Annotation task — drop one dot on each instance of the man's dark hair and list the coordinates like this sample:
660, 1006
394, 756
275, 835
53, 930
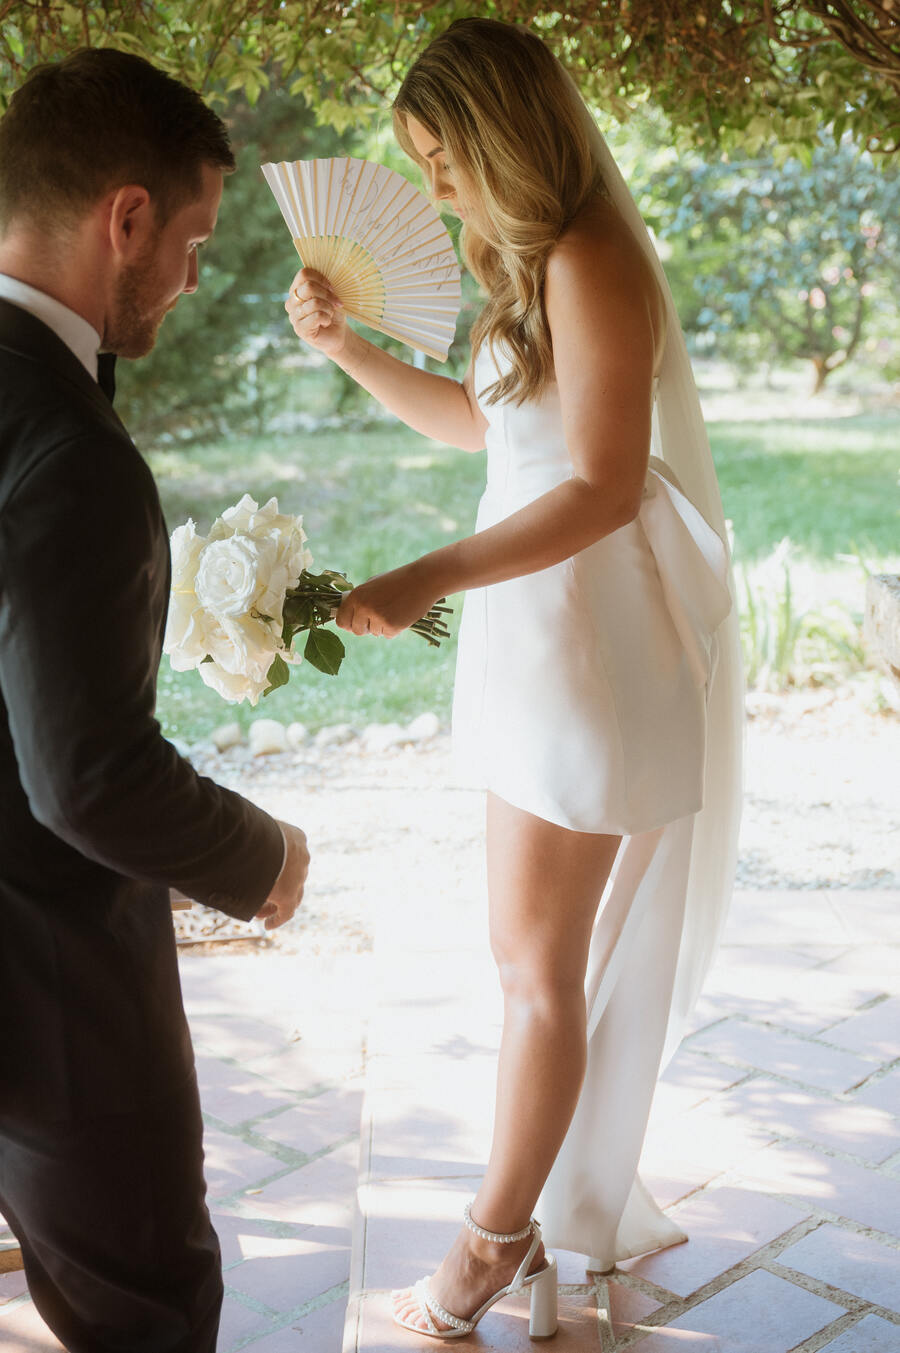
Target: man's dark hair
96, 121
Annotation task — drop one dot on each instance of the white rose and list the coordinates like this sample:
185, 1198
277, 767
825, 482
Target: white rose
232, 573
282, 539
232, 686
242, 650
187, 634
184, 640
237, 518
226, 609
186, 547
265, 522
291, 558
243, 644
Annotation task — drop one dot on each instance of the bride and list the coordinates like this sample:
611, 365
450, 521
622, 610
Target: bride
598, 684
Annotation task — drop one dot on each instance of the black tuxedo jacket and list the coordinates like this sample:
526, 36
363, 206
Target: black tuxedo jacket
99, 815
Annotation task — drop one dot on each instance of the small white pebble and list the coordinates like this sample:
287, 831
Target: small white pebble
335, 735
378, 737
267, 736
424, 727
297, 735
227, 735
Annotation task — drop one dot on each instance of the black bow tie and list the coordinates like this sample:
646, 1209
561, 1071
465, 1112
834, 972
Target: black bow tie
106, 374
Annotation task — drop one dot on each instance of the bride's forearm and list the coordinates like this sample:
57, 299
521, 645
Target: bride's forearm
436, 406
555, 526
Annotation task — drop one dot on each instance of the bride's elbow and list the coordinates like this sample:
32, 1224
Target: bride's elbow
628, 510
624, 496
612, 508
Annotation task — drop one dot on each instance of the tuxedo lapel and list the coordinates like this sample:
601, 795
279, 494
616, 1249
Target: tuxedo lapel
106, 374
28, 337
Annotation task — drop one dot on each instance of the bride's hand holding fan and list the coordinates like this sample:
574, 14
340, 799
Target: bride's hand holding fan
316, 313
367, 237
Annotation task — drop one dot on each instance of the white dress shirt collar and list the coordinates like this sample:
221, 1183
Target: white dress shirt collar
79, 336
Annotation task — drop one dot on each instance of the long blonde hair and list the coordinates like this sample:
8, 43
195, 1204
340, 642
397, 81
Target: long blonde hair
512, 124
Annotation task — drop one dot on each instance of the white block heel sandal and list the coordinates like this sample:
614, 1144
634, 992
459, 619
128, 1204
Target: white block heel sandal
541, 1287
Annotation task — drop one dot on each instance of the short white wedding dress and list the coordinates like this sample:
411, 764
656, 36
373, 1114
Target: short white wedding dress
593, 694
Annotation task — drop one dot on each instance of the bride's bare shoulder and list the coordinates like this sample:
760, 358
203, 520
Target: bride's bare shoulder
598, 239
597, 252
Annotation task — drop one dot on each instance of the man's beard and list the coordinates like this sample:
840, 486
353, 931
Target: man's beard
135, 320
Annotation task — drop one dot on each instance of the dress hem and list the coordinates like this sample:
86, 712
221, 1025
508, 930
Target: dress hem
636, 828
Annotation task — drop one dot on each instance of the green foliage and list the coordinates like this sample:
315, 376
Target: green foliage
309, 605
227, 359
822, 270
828, 484
312, 603
279, 674
325, 651
785, 643
217, 367
811, 500
736, 73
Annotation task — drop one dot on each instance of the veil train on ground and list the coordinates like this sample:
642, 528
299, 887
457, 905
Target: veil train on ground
666, 902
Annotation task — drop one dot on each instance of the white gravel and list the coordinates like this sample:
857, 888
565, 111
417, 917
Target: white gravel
822, 810
822, 805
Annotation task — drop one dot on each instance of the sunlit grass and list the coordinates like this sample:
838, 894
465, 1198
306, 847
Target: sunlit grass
830, 486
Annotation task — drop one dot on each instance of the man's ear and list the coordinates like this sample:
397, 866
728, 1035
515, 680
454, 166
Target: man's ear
131, 221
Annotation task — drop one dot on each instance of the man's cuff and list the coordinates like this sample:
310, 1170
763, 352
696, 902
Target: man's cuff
283, 857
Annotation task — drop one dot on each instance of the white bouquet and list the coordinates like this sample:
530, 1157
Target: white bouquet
242, 593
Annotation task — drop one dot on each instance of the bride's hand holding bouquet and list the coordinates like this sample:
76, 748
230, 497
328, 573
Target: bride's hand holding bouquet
390, 602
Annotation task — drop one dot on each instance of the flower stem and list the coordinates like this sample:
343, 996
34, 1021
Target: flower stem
327, 598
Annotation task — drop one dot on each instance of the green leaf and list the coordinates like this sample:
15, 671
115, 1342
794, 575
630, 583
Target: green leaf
328, 578
278, 674
298, 612
338, 580
324, 650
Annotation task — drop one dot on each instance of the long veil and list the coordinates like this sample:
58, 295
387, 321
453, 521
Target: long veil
671, 888
681, 442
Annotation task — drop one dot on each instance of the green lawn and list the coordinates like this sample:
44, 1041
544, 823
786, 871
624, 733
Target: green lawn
831, 485
375, 497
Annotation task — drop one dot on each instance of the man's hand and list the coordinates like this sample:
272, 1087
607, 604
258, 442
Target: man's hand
287, 891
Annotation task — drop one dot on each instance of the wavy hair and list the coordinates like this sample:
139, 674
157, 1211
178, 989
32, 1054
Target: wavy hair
515, 129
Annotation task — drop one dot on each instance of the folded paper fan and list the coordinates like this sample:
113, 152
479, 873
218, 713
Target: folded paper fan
380, 243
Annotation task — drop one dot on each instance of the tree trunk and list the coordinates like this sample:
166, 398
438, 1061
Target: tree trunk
821, 369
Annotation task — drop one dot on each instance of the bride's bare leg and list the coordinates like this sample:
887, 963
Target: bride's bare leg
544, 885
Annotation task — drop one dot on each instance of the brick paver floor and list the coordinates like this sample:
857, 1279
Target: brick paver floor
774, 1137
280, 1060
773, 1141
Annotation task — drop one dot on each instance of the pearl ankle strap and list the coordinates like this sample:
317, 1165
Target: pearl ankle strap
494, 1236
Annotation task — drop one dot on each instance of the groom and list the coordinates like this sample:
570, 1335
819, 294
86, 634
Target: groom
110, 180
